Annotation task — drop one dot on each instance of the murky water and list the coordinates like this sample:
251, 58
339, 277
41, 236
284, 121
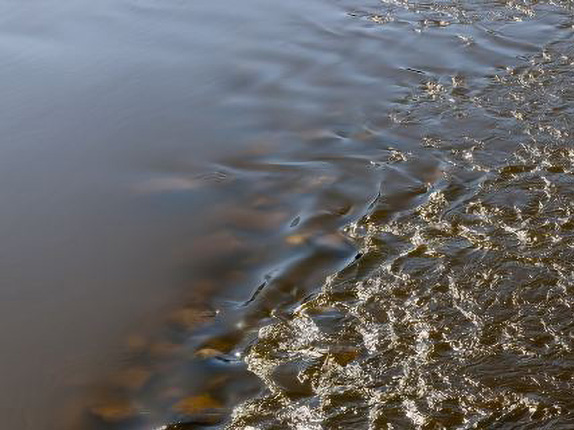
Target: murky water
314, 215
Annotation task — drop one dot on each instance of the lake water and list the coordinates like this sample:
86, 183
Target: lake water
270, 215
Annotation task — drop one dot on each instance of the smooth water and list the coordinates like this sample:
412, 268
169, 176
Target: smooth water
297, 215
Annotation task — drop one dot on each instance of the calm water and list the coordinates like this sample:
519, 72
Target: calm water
286, 215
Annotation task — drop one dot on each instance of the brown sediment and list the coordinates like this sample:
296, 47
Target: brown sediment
132, 378
114, 411
164, 349
191, 317
197, 404
136, 343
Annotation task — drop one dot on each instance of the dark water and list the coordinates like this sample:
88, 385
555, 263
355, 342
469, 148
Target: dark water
302, 215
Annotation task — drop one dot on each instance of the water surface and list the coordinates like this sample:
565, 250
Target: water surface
323, 214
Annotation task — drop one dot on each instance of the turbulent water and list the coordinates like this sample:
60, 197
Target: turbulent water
423, 195
392, 246
458, 314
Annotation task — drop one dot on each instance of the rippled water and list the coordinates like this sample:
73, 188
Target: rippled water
457, 313
384, 208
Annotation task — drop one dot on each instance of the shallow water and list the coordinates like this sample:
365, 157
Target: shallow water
308, 215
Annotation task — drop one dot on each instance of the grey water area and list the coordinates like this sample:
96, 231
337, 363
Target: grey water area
372, 200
